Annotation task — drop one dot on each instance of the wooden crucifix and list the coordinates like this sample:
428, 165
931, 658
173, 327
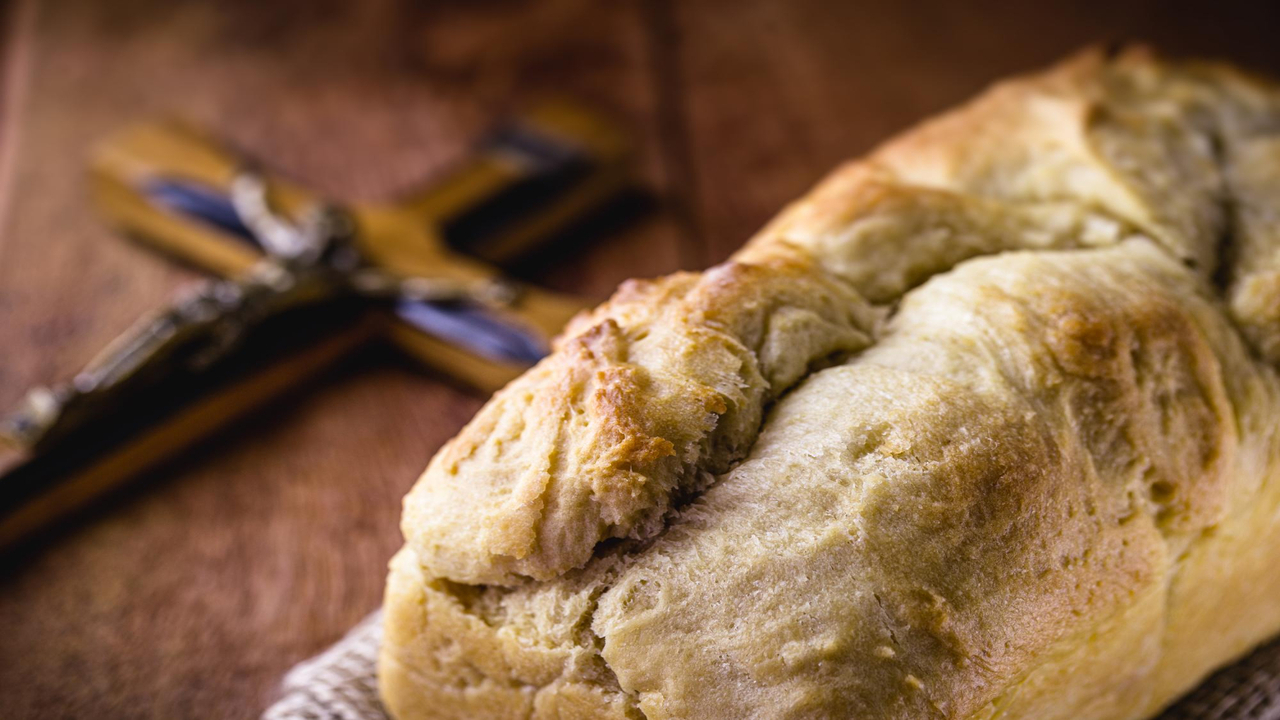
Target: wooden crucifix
302, 283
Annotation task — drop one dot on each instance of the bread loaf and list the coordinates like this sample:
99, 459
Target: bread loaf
987, 426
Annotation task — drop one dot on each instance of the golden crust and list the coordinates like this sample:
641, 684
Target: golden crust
985, 426
643, 399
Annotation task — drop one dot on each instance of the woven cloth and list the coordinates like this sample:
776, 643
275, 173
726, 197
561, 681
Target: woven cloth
340, 684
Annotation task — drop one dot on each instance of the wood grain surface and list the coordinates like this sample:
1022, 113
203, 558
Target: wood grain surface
191, 594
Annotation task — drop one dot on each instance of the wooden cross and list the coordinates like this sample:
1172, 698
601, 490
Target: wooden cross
306, 283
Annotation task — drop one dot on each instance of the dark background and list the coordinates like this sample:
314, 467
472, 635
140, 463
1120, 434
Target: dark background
191, 595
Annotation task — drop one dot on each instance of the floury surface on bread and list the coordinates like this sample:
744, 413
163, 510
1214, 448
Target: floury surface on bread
987, 426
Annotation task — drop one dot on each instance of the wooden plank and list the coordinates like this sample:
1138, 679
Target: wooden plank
191, 596
778, 93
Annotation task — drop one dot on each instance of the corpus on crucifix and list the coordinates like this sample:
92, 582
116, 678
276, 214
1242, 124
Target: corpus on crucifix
298, 283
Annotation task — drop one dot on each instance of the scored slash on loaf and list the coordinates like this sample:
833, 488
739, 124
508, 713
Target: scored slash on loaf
987, 426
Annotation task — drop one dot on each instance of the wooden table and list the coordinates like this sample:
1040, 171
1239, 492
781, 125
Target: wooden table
190, 595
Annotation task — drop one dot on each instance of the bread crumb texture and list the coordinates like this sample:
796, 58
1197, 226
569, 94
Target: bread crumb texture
987, 426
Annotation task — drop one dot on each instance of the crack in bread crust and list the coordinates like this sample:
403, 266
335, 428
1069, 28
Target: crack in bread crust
643, 400
1039, 439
